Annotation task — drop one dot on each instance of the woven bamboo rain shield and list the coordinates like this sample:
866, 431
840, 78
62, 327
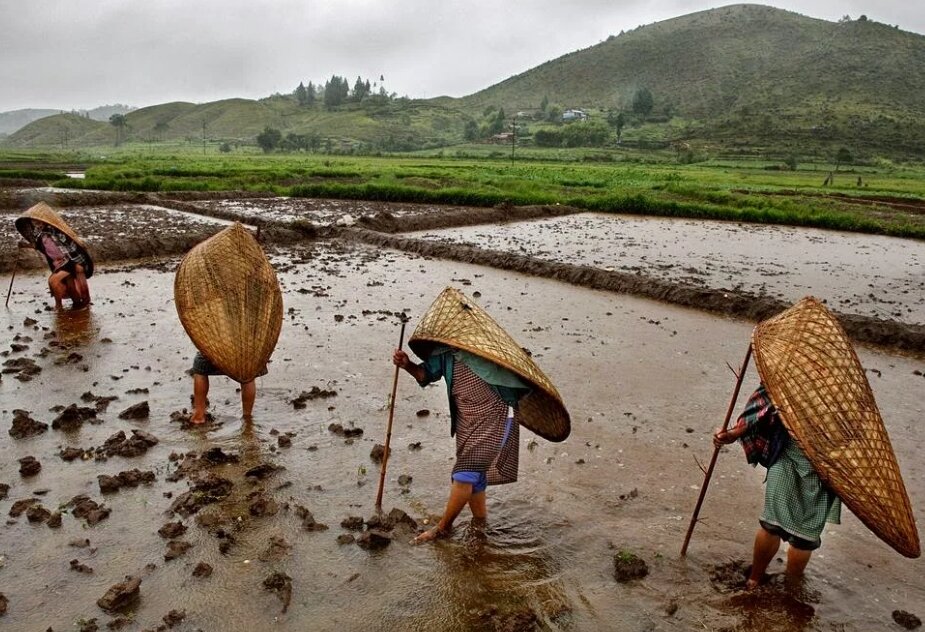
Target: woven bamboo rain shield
816, 381
41, 212
456, 321
230, 303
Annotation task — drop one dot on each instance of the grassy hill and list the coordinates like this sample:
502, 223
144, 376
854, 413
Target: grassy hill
398, 124
745, 71
738, 79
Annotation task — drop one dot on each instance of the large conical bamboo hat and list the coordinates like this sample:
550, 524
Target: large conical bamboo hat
816, 381
456, 321
42, 212
229, 301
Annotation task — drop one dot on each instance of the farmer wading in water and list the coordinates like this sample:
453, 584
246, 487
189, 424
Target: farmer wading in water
460, 343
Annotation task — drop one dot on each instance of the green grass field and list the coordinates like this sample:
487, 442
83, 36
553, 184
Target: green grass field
891, 199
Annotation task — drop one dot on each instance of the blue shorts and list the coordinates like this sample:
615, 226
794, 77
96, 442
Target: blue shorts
479, 480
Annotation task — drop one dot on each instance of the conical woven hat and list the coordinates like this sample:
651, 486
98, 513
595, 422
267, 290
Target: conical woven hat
229, 301
41, 212
456, 321
816, 381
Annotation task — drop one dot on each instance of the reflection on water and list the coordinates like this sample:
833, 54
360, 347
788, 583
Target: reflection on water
780, 605
75, 327
505, 575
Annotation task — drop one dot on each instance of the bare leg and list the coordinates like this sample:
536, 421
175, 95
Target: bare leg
58, 286
766, 546
81, 286
797, 559
460, 494
200, 397
477, 506
248, 395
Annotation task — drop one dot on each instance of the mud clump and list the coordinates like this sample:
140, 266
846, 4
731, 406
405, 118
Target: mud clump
348, 433
730, 575
136, 411
73, 417
37, 513
172, 530
24, 369
628, 567
276, 550
308, 520
25, 426
281, 584
906, 619
346, 538
202, 570
377, 454
352, 523
262, 506
100, 402
131, 478
4, 491
304, 397
176, 548
374, 540
207, 488
75, 565
20, 506
4, 603
174, 618
29, 466
121, 445
120, 595
82, 507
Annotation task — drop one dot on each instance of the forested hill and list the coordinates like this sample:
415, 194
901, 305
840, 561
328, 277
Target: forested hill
743, 67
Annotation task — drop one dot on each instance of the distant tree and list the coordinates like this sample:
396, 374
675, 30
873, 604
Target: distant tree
496, 125
224, 147
360, 89
471, 131
554, 114
544, 103
862, 18
118, 121
791, 162
310, 94
336, 91
160, 129
301, 94
642, 102
617, 120
843, 157
545, 137
269, 139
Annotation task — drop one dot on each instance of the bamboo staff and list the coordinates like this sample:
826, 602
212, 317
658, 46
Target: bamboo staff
709, 473
12, 278
388, 432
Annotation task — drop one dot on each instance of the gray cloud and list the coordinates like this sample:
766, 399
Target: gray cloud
65, 54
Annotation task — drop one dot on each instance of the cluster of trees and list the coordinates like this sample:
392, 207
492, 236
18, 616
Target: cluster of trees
271, 139
494, 121
337, 91
586, 134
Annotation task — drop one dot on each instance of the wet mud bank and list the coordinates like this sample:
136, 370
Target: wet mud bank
385, 222
739, 304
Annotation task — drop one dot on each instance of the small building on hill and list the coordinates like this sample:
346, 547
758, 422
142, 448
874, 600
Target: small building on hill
574, 115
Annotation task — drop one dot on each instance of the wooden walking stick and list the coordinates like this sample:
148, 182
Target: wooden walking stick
709, 473
388, 432
12, 278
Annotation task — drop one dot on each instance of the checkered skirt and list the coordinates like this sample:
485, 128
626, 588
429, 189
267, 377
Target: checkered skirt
481, 419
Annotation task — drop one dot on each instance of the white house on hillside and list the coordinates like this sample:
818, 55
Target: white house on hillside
574, 115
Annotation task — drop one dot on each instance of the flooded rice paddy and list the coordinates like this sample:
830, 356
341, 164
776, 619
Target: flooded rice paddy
877, 276
645, 383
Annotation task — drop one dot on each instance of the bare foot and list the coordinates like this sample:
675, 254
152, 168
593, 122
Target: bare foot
430, 535
197, 421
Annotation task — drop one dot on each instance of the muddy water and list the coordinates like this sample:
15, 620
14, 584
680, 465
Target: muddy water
883, 277
645, 384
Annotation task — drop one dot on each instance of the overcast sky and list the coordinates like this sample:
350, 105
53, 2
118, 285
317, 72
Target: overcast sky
84, 53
